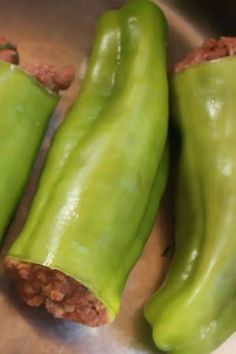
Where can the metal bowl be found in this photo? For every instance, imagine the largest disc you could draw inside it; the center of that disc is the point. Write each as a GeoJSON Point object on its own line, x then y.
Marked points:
{"type": "Point", "coordinates": [61, 32]}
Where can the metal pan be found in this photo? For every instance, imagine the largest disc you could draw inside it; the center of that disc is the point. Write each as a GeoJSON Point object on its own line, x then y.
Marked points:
{"type": "Point", "coordinates": [61, 32]}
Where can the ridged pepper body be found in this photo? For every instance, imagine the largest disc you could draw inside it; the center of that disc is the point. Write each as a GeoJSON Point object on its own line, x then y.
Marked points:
{"type": "Point", "coordinates": [223, 327]}
{"type": "Point", "coordinates": [91, 214]}
{"type": "Point", "coordinates": [25, 108]}
{"type": "Point", "coordinates": [192, 312]}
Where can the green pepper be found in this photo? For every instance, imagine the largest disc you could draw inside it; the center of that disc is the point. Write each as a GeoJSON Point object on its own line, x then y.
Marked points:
{"type": "Point", "coordinates": [219, 330]}
{"type": "Point", "coordinates": [193, 305]}
{"type": "Point", "coordinates": [91, 215]}
{"type": "Point", "coordinates": [88, 107]}
{"type": "Point", "coordinates": [25, 109]}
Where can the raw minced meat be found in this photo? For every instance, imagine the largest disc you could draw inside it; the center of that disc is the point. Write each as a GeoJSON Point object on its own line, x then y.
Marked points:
{"type": "Point", "coordinates": [62, 296]}
{"type": "Point", "coordinates": [210, 50]}
{"type": "Point", "coordinates": [50, 77]}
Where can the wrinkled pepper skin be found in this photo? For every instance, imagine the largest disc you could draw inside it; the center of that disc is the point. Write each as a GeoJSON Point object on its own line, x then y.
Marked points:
{"type": "Point", "coordinates": [25, 108]}
{"type": "Point", "coordinates": [193, 310]}
{"type": "Point", "coordinates": [91, 215]}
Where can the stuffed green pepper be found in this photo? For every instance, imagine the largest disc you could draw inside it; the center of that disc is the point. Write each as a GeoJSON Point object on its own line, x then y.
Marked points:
{"type": "Point", "coordinates": [28, 99]}
{"type": "Point", "coordinates": [104, 176]}
{"type": "Point", "coordinates": [193, 311]}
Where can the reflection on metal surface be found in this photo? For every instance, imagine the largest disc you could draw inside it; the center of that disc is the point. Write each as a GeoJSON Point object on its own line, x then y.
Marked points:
{"type": "Point", "coordinates": [61, 32]}
{"type": "Point", "coordinates": [181, 25]}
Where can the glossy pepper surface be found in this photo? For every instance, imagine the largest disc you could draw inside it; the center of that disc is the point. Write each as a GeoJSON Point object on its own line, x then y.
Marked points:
{"type": "Point", "coordinates": [25, 107]}
{"type": "Point", "coordinates": [91, 215]}
{"type": "Point", "coordinates": [193, 310]}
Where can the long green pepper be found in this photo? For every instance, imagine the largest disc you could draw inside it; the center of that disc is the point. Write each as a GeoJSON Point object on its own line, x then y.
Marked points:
{"type": "Point", "coordinates": [25, 108]}
{"type": "Point", "coordinates": [193, 312]}
{"type": "Point", "coordinates": [91, 215]}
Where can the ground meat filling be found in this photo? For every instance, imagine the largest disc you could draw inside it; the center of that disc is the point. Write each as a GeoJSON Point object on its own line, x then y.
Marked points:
{"type": "Point", "coordinates": [50, 77]}
{"type": "Point", "coordinates": [8, 51]}
{"type": "Point", "coordinates": [210, 50]}
{"type": "Point", "coordinates": [62, 296]}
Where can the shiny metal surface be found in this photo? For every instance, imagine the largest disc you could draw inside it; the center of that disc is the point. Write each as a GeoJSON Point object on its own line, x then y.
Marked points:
{"type": "Point", "coordinates": [61, 32]}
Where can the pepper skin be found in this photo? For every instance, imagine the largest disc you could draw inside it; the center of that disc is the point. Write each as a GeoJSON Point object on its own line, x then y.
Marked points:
{"type": "Point", "coordinates": [86, 217]}
{"type": "Point", "coordinates": [221, 328]}
{"type": "Point", "coordinates": [202, 272]}
{"type": "Point", "coordinates": [25, 107]}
